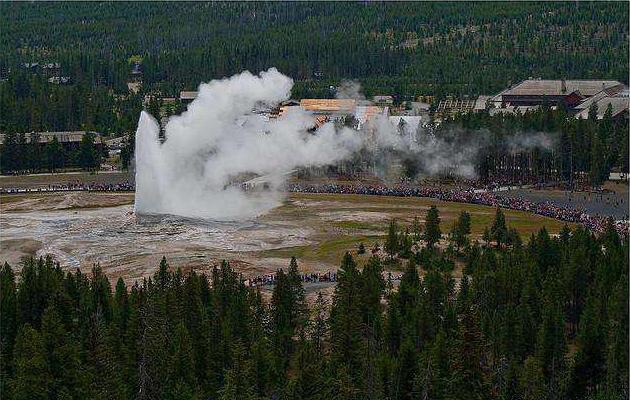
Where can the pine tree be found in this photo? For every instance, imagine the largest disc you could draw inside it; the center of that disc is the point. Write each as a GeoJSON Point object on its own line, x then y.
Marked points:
{"type": "Point", "coordinates": [487, 236]}
{"type": "Point", "coordinates": [589, 361]}
{"type": "Point", "coordinates": [531, 380]}
{"type": "Point", "coordinates": [54, 155]}
{"type": "Point", "coordinates": [392, 244]}
{"type": "Point", "coordinates": [433, 374]}
{"type": "Point", "coordinates": [9, 154]}
{"type": "Point", "coordinates": [238, 379]}
{"type": "Point", "coordinates": [432, 232]}
{"type": "Point", "coordinates": [345, 321]}
{"type": "Point", "coordinates": [181, 380]}
{"type": "Point", "coordinates": [499, 230]}
{"type": "Point", "coordinates": [467, 372]}
{"type": "Point", "coordinates": [107, 379]}
{"type": "Point", "coordinates": [416, 229]}
{"type": "Point", "coordinates": [361, 248]}
{"type": "Point", "coordinates": [598, 160]}
{"type": "Point", "coordinates": [551, 345]}
{"type": "Point", "coordinates": [62, 358]}
{"type": "Point", "coordinates": [282, 327]}
{"type": "Point", "coordinates": [8, 325]}
{"type": "Point", "coordinates": [32, 379]}
{"type": "Point", "coordinates": [89, 158]}
{"type": "Point", "coordinates": [461, 230]}
{"type": "Point", "coordinates": [616, 352]}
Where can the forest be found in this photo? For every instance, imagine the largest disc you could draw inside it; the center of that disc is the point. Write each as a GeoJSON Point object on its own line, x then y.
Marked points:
{"type": "Point", "coordinates": [19, 154]}
{"type": "Point", "coordinates": [541, 319]}
{"type": "Point", "coordinates": [398, 48]}
{"type": "Point", "coordinates": [582, 151]}
{"type": "Point", "coordinates": [578, 150]}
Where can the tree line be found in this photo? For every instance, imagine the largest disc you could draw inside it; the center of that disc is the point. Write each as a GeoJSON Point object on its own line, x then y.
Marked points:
{"type": "Point", "coordinates": [584, 150]}
{"type": "Point", "coordinates": [546, 319]}
{"type": "Point", "coordinates": [402, 49]}
{"type": "Point", "coordinates": [19, 154]}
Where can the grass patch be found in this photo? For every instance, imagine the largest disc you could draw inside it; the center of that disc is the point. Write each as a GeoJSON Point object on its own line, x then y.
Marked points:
{"type": "Point", "coordinates": [359, 225]}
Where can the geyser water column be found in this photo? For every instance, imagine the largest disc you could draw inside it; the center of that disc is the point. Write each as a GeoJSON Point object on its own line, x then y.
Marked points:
{"type": "Point", "coordinates": [219, 138]}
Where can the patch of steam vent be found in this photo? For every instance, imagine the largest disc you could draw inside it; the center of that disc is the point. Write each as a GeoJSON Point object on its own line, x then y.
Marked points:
{"type": "Point", "coordinates": [219, 139]}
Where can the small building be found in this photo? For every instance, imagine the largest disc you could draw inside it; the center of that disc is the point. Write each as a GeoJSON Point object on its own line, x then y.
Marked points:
{"type": "Point", "coordinates": [481, 104]}
{"type": "Point", "coordinates": [452, 106]}
{"type": "Point", "coordinates": [512, 110]}
{"type": "Point", "coordinates": [51, 69]}
{"type": "Point", "coordinates": [426, 99]}
{"type": "Point", "coordinates": [186, 96]}
{"type": "Point", "coordinates": [383, 100]}
{"type": "Point", "coordinates": [69, 140]}
{"type": "Point", "coordinates": [328, 106]}
{"type": "Point", "coordinates": [532, 92]}
{"type": "Point", "coordinates": [134, 83]}
{"type": "Point", "coordinates": [59, 80]}
{"type": "Point", "coordinates": [617, 98]}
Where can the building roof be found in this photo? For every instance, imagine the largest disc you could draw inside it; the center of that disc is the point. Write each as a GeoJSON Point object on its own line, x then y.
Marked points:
{"type": "Point", "coordinates": [62, 137]}
{"type": "Point", "coordinates": [611, 92]}
{"type": "Point", "coordinates": [383, 99]}
{"type": "Point", "coordinates": [328, 105]}
{"type": "Point", "coordinates": [451, 105]}
{"type": "Point", "coordinates": [545, 87]}
{"type": "Point", "coordinates": [480, 103]}
{"type": "Point", "coordinates": [619, 104]}
{"type": "Point", "coordinates": [511, 110]}
{"type": "Point", "coordinates": [188, 95]}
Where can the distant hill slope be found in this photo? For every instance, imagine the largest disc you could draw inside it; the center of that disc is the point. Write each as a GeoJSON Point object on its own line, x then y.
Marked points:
{"type": "Point", "coordinates": [399, 48]}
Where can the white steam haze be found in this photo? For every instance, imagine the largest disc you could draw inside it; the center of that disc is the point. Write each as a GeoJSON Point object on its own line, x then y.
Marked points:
{"type": "Point", "coordinates": [220, 139]}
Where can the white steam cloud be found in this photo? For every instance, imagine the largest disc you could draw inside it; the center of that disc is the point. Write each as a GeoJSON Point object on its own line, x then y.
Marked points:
{"type": "Point", "coordinates": [221, 140]}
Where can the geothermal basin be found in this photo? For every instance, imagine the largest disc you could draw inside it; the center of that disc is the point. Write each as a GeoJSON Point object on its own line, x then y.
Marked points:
{"type": "Point", "coordinates": [81, 229]}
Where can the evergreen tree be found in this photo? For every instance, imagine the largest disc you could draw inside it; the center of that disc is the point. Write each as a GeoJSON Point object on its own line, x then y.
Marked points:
{"type": "Point", "coordinates": [32, 379]}
{"type": "Point", "coordinates": [499, 231]}
{"type": "Point", "coordinates": [551, 346]}
{"type": "Point", "coordinates": [54, 155]}
{"type": "Point", "coordinates": [432, 232]}
{"type": "Point", "coordinates": [238, 379]}
{"type": "Point", "coordinates": [531, 381]}
{"type": "Point", "coordinates": [9, 153]}
{"type": "Point", "coordinates": [89, 157]}
{"type": "Point", "coordinates": [181, 380]}
{"type": "Point", "coordinates": [461, 230]}
{"type": "Point", "coordinates": [345, 322]}
{"type": "Point", "coordinates": [392, 244]}
{"type": "Point", "coordinates": [8, 325]}
{"type": "Point", "coordinates": [62, 355]}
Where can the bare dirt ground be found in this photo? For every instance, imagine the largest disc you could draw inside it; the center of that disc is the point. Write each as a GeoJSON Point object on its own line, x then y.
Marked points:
{"type": "Point", "coordinates": [82, 228]}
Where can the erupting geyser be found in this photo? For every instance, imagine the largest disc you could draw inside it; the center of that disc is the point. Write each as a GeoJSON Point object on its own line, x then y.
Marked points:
{"type": "Point", "coordinates": [220, 138]}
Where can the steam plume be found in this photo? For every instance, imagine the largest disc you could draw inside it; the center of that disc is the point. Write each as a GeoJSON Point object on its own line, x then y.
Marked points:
{"type": "Point", "coordinates": [218, 139]}
{"type": "Point", "coordinates": [221, 140]}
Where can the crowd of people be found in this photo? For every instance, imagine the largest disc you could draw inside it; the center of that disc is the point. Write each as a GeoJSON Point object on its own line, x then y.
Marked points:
{"type": "Point", "coordinates": [270, 279]}
{"type": "Point", "coordinates": [314, 277]}
{"type": "Point", "coordinates": [470, 195]}
{"type": "Point", "coordinates": [483, 197]}
{"type": "Point", "coordinates": [73, 187]}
